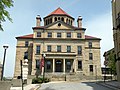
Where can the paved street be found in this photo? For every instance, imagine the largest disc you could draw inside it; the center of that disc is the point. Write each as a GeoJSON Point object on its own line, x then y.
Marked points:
{"type": "Point", "coordinates": [72, 86]}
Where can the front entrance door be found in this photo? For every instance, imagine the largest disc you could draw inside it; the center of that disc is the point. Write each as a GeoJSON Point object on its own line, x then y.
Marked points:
{"type": "Point", "coordinates": [58, 65]}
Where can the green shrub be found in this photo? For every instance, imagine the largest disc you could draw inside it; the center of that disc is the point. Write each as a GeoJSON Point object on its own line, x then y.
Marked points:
{"type": "Point", "coordinates": [39, 80]}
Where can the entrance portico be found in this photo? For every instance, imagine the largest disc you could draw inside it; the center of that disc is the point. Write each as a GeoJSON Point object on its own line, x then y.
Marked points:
{"type": "Point", "coordinates": [59, 65]}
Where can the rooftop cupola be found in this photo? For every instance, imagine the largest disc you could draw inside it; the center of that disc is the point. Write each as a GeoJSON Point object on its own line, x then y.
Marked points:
{"type": "Point", "coordinates": [79, 21]}
{"type": "Point", "coordinates": [58, 15]}
{"type": "Point", "coordinates": [38, 21]}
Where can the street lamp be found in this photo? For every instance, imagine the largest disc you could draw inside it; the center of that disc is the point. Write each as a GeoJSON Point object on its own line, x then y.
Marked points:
{"type": "Point", "coordinates": [44, 55]}
{"type": "Point", "coordinates": [5, 48]}
{"type": "Point", "coordinates": [105, 74]}
{"type": "Point", "coordinates": [96, 72]}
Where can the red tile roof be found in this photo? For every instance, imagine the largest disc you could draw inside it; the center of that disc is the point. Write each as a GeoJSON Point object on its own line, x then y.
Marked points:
{"type": "Point", "coordinates": [30, 36]}
{"type": "Point", "coordinates": [90, 37]}
{"type": "Point", "coordinates": [59, 11]}
{"type": "Point", "coordinates": [26, 36]}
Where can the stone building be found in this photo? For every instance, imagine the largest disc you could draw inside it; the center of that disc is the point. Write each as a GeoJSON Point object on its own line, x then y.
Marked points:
{"type": "Point", "coordinates": [107, 55]}
{"type": "Point", "coordinates": [108, 70]}
{"type": "Point", "coordinates": [116, 33]}
{"type": "Point", "coordinates": [67, 48]}
{"type": "Point", "coordinates": [0, 69]}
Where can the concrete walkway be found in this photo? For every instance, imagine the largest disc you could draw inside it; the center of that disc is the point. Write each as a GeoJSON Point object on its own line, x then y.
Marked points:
{"type": "Point", "coordinates": [115, 85]}
{"type": "Point", "coordinates": [27, 87]}
{"type": "Point", "coordinates": [72, 86]}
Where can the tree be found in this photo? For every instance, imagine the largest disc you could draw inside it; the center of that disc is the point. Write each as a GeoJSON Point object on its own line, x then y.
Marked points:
{"type": "Point", "coordinates": [4, 14]}
{"type": "Point", "coordinates": [112, 62]}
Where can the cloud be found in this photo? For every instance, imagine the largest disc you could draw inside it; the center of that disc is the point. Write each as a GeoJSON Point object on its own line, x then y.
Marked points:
{"type": "Point", "coordinates": [101, 26]}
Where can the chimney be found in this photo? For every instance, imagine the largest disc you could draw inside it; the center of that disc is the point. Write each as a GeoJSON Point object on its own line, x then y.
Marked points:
{"type": "Point", "coordinates": [79, 21]}
{"type": "Point", "coordinates": [38, 21]}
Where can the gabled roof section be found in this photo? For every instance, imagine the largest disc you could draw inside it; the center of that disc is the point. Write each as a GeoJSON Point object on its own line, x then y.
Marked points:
{"type": "Point", "coordinates": [59, 11]}
{"type": "Point", "coordinates": [72, 27]}
{"type": "Point", "coordinates": [91, 37]}
{"type": "Point", "coordinates": [30, 36]}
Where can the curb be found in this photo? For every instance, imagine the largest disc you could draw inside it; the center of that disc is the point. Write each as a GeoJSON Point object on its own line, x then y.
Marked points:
{"type": "Point", "coordinates": [108, 86]}
{"type": "Point", "coordinates": [37, 87]}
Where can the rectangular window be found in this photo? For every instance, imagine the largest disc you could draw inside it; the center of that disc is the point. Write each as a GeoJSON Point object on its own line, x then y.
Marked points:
{"type": "Point", "coordinates": [80, 65]}
{"type": "Point", "coordinates": [38, 49]}
{"type": "Point", "coordinates": [90, 56]}
{"type": "Point", "coordinates": [90, 44]}
{"type": "Point", "coordinates": [91, 68]}
{"type": "Point", "coordinates": [68, 48]}
{"type": "Point", "coordinates": [80, 50]}
{"type": "Point", "coordinates": [49, 34]}
{"type": "Point", "coordinates": [25, 55]}
{"type": "Point", "coordinates": [68, 62]}
{"type": "Point", "coordinates": [26, 43]}
{"type": "Point", "coordinates": [38, 34]}
{"type": "Point", "coordinates": [48, 65]}
{"type": "Point", "coordinates": [38, 64]}
{"type": "Point", "coordinates": [58, 48]}
{"type": "Point", "coordinates": [58, 35]}
{"type": "Point", "coordinates": [79, 35]}
{"type": "Point", "coordinates": [69, 35]}
{"type": "Point", "coordinates": [49, 48]}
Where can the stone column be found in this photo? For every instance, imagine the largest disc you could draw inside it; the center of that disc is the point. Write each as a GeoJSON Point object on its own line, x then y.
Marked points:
{"type": "Point", "coordinates": [53, 65]}
{"type": "Point", "coordinates": [75, 68]}
{"type": "Point", "coordinates": [25, 69]}
{"type": "Point", "coordinates": [64, 65]}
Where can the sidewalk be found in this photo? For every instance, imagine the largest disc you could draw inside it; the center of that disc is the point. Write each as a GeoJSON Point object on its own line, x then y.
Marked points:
{"type": "Point", "coordinates": [27, 87]}
{"type": "Point", "coordinates": [115, 85]}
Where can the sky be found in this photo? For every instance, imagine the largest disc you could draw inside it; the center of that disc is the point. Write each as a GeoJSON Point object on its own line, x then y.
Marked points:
{"type": "Point", "coordinates": [97, 19]}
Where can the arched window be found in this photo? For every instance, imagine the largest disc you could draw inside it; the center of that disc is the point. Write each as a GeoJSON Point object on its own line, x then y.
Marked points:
{"type": "Point", "coordinates": [71, 22]}
{"type": "Point", "coordinates": [67, 21]}
{"type": "Point", "coordinates": [58, 18]}
{"type": "Point", "coordinates": [55, 19]}
{"type": "Point", "coordinates": [50, 20]}
{"type": "Point", "coordinates": [62, 19]}
{"type": "Point", "coordinates": [46, 22]}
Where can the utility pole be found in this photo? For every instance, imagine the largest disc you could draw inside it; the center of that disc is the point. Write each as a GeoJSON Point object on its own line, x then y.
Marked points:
{"type": "Point", "coordinates": [21, 74]}
{"type": "Point", "coordinates": [5, 47]}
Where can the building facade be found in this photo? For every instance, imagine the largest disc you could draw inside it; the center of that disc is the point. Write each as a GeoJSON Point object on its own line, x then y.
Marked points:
{"type": "Point", "coordinates": [116, 33]}
{"type": "Point", "coordinates": [66, 47]}
{"type": "Point", "coordinates": [109, 70]}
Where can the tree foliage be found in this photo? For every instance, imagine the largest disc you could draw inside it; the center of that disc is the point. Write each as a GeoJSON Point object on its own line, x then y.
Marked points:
{"type": "Point", "coordinates": [112, 62]}
{"type": "Point", "coordinates": [4, 14]}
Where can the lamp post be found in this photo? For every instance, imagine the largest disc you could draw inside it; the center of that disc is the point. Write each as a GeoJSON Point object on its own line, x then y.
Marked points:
{"type": "Point", "coordinates": [105, 74]}
{"type": "Point", "coordinates": [44, 55]}
{"type": "Point", "coordinates": [96, 72]}
{"type": "Point", "coordinates": [5, 48]}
